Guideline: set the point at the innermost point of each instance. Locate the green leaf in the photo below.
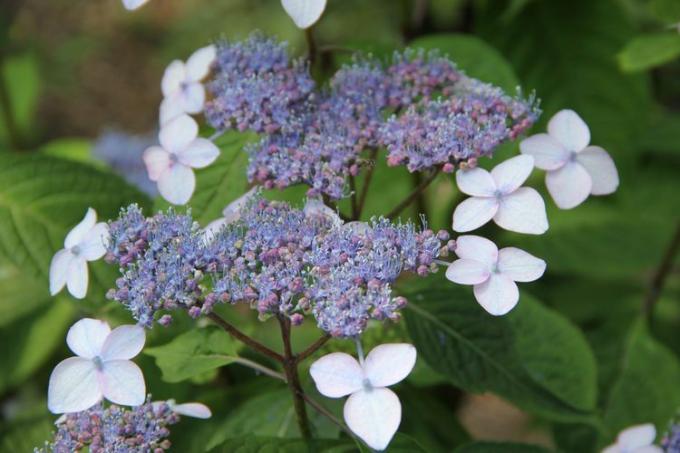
(21, 75)
(220, 183)
(194, 353)
(647, 389)
(533, 356)
(33, 339)
(667, 11)
(253, 444)
(648, 51)
(19, 294)
(41, 199)
(477, 58)
(496, 447)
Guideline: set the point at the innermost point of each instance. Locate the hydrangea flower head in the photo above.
(85, 242)
(574, 169)
(101, 368)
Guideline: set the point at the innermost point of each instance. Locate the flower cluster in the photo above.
(280, 260)
(671, 440)
(101, 429)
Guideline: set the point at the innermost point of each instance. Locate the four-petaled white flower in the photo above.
(170, 165)
(574, 169)
(85, 242)
(230, 214)
(636, 439)
(102, 368)
(195, 410)
(304, 13)
(134, 4)
(493, 272)
(497, 195)
(372, 411)
(182, 89)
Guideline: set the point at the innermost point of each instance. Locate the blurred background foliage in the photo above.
(593, 346)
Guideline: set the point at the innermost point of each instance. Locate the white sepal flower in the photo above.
(636, 439)
(85, 242)
(195, 410)
(101, 368)
(304, 13)
(574, 169)
(372, 411)
(493, 272)
(230, 214)
(316, 207)
(181, 149)
(497, 195)
(182, 89)
(134, 4)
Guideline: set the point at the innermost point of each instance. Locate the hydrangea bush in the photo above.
(315, 260)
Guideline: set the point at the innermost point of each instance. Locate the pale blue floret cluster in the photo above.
(114, 429)
(420, 107)
(281, 260)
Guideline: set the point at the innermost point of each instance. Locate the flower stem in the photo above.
(312, 49)
(355, 205)
(412, 196)
(245, 339)
(367, 183)
(259, 368)
(312, 348)
(291, 370)
(661, 273)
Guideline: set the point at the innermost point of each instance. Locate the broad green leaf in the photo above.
(474, 56)
(647, 389)
(194, 353)
(497, 447)
(33, 339)
(253, 444)
(648, 51)
(667, 11)
(19, 294)
(41, 199)
(76, 149)
(270, 414)
(221, 182)
(27, 435)
(533, 357)
(21, 75)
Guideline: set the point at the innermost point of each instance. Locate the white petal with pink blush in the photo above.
(492, 272)
(171, 164)
(101, 368)
(574, 170)
(498, 195)
(635, 439)
(85, 242)
(372, 411)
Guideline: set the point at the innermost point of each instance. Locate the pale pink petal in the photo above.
(78, 233)
(569, 129)
(133, 4)
(601, 168)
(649, 449)
(157, 161)
(193, 97)
(337, 374)
(316, 207)
(509, 175)
(569, 186)
(637, 436)
(122, 382)
(548, 153)
(77, 278)
(477, 248)
(59, 266)
(522, 211)
(178, 184)
(498, 295)
(213, 228)
(73, 386)
(93, 246)
(173, 77)
(123, 343)
(171, 108)
(178, 133)
(613, 448)
(232, 212)
(388, 364)
(87, 336)
(468, 272)
(304, 12)
(373, 415)
(473, 213)
(199, 154)
(520, 265)
(198, 64)
(476, 182)
(195, 410)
